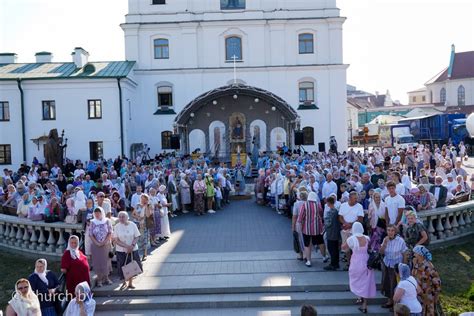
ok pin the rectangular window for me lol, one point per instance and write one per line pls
(306, 93)
(5, 155)
(4, 111)
(423, 98)
(306, 43)
(232, 4)
(96, 150)
(95, 109)
(162, 48)
(165, 97)
(49, 110)
(158, 2)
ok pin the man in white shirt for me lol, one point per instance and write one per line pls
(329, 187)
(79, 172)
(395, 205)
(136, 197)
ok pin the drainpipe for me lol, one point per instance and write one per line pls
(22, 105)
(121, 117)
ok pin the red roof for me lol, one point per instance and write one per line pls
(463, 67)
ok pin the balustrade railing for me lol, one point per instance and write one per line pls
(36, 236)
(450, 222)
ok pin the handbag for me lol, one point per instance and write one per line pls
(71, 219)
(131, 269)
(375, 260)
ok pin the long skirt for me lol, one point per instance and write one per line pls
(121, 256)
(199, 202)
(165, 225)
(157, 218)
(389, 281)
(100, 259)
(174, 200)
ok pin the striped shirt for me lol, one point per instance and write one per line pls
(394, 252)
(310, 218)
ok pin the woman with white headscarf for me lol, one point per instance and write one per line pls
(185, 192)
(100, 232)
(79, 202)
(74, 265)
(44, 284)
(407, 291)
(83, 304)
(24, 302)
(165, 223)
(361, 279)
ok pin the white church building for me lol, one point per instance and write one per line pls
(215, 75)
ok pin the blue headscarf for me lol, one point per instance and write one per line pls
(423, 251)
(404, 271)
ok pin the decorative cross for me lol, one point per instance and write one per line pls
(234, 58)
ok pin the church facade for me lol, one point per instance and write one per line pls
(216, 76)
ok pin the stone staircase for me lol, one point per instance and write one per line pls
(259, 283)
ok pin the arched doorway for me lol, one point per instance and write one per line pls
(197, 140)
(245, 112)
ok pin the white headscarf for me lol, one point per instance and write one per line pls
(25, 306)
(75, 253)
(79, 201)
(357, 231)
(99, 221)
(42, 275)
(162, 188)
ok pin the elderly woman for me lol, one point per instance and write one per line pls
(12, 197)
(185, 192)
(361, 279)
(35, 213)
(173, 191)
(83, 304)
(53, 211)
(23, 206)
(394, 250)
(141, 213)
(24, 302)
(425, 198)
(74, 264)
(407, 291)
(414, 232)
(376, 215)
(311, 220)
(125, 237)
(301, 198)
(426, 275)
(100, 232)
(44, 283)
(165, 223)
(155, 204)
(199, 187)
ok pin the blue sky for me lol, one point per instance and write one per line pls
(389, 44)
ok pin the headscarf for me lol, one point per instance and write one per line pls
(79, 201)
(42, 275)
(404, 271)
(423, 251)
(99, 221)
(86, 290)
(357, 231)
(25, 305)
(162, 188)
(75, 253)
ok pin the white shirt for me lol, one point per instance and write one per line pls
(393, 204)
(135, 200)
(409, 296)
(351, 213)
(126, 234)
(328, 188)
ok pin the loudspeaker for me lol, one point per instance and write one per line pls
(175, 142)
(299, 138)
(322, 147)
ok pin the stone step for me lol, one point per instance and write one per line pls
(244, 300)
(266, 311)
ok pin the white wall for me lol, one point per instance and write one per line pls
(451, 87)
(10, 131)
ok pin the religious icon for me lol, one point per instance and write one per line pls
(237, 127)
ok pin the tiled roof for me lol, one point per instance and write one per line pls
(373, 101)
(463, 67)
(107, 69)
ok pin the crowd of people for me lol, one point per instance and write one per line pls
(354, 202)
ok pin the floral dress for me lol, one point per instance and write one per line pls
(430, 282)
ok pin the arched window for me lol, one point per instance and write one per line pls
(308, 135)
(461, 95)
(166, 140)
(306, 43)
(233, 47)
(306, 92)
(161, 48)
(165, 96)
(442, 96)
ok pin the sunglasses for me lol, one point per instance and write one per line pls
(23, 288)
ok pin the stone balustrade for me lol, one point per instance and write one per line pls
(450, 222)
(38, 237)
